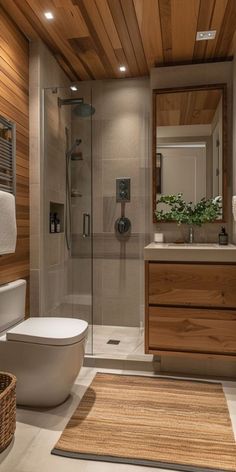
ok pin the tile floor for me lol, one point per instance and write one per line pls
(38, 431)
(131, 341)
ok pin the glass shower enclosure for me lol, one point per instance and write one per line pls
(67, 203)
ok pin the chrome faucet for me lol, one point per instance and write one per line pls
(191, 235)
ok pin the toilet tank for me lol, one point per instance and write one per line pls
(12, 303)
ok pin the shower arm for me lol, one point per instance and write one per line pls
(69, 101)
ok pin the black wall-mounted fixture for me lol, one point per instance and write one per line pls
(123, 189)
(123, 224)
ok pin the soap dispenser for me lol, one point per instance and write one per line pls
(52, 224)
(57, 223)
(223, 237)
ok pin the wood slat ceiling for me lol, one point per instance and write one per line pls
(196, 107)
(91, 38)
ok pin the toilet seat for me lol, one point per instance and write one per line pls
(49, 330)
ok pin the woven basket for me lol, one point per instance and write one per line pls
(7, 408)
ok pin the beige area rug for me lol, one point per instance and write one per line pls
(155, 422)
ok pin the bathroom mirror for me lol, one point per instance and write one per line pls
(189, 143)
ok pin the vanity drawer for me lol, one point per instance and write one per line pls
(192, 330)
(212, 285)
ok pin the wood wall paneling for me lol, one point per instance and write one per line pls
(14, 105)
(92, 38)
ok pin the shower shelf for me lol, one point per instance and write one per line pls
(76, 193)
(77, 156)
(56, 233)
(56, 207)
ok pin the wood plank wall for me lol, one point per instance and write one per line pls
(14, 105)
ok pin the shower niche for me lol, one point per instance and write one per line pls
(56, 217)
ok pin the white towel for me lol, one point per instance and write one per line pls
(234, 206)
(8, 230)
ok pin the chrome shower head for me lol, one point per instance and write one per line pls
(84, 110)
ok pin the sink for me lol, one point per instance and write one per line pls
(190, 252)
(193, 245)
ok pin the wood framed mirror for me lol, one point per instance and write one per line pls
(189, 143)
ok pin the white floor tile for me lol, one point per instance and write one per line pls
(131, 340)
(38, 431)
(24, 436)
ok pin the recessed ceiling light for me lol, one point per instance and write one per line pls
(205, 35)
(122, 68)
(48, 15)
(73, 88)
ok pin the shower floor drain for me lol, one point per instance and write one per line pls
(113, 341)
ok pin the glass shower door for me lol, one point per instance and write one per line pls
(67, 199)
(81, 206)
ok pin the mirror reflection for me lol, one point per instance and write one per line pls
(189, 145)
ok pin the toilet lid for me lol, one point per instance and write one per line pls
(48, 330)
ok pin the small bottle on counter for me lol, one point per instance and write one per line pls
(223, 237)
(52, 224)
(158, 237)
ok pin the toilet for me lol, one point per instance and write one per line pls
(44, 353)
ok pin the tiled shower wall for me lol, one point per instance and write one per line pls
(119, 142)
(120, 137)
(56, 255)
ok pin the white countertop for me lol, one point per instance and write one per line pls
(196, 252)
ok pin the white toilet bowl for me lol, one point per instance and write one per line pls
(44, 353)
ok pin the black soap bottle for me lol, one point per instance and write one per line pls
(223, 237)
(52, 223)
(57, 223)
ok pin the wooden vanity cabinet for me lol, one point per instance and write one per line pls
(190, 308)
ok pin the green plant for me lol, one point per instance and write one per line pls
(204, 211)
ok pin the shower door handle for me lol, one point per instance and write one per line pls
(86, 225)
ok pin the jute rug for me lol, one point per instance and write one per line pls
(155, 422)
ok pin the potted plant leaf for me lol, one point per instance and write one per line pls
(182, 212)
